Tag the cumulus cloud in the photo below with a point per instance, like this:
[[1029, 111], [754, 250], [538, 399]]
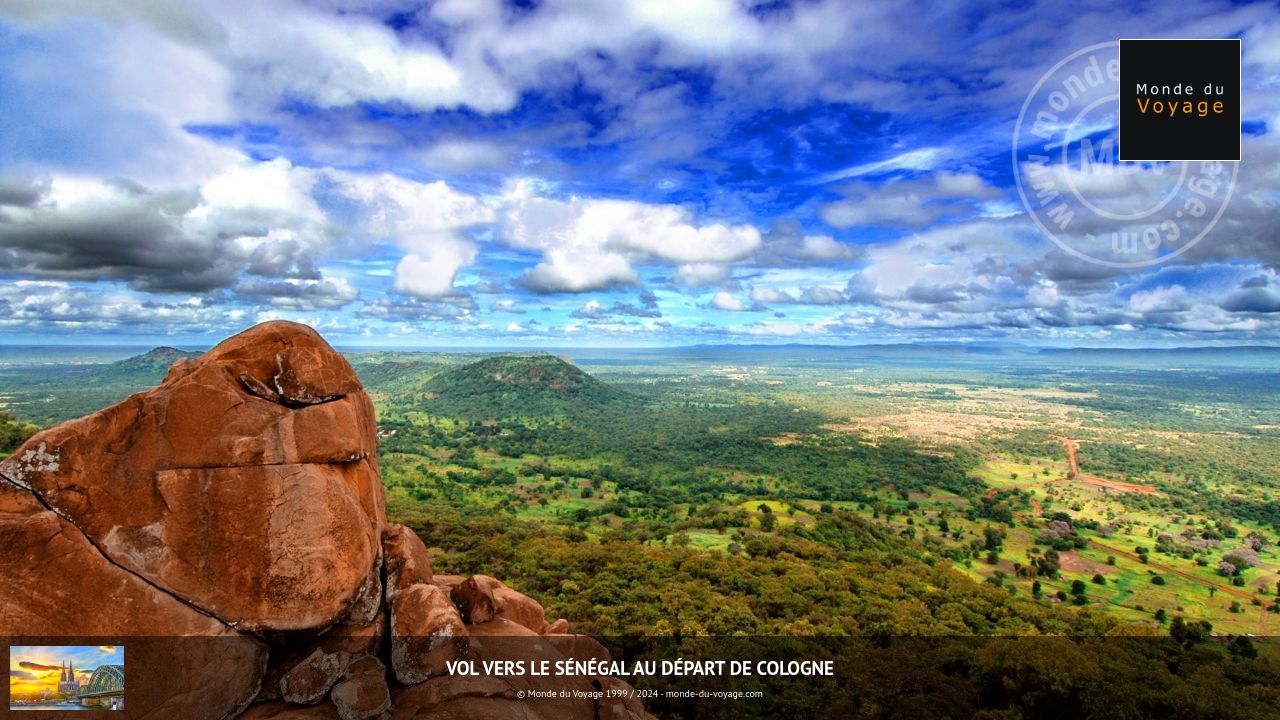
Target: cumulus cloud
[[812, 295], [589, 244], [430, 220], [788, 245], [724, 300], [252, 218], [697, 275], [772, 296], [563, 270]]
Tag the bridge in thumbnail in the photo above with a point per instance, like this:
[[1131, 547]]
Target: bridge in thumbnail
[[105, 688]]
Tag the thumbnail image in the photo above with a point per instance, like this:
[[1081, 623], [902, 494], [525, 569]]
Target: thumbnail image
[[66, 677]]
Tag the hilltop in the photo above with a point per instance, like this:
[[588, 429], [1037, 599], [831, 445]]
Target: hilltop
[[146, 369], [510, 385]]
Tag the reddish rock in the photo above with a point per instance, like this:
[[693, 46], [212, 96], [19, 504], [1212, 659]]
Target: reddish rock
[[343, 640], [426, 632], [481, 598], [363, 692], [310, 679], [559, 627], [447, 582], [407, 560], [500, 627], [53, 582], [367, 608], [245, 484]]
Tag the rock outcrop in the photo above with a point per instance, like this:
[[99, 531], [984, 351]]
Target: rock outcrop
[[229, 527]]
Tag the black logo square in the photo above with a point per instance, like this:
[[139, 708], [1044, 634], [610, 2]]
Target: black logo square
[[1179, 100]]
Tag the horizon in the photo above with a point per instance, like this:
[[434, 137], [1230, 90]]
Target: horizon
[[450, 349], [475, 175]]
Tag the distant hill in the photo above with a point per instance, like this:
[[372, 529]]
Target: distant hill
[[511, 385], [143, 370]]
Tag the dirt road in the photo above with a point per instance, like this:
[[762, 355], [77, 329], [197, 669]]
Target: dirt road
[[1097, 481]]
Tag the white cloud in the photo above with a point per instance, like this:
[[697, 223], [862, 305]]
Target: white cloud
[[505, 305], [1173, 298], [427, 219], [564, 270], [919, 159], [727, 301], [591, 309], [589, 244], [771, 296], [696, 275], [431, 274]]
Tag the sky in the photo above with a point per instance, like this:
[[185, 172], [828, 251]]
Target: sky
[[591, 173], [34, 668]]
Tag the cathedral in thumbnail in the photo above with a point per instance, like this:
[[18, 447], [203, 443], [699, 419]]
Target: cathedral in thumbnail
[[67, 683]]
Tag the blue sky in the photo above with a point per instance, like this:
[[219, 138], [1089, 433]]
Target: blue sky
[[589, 173]]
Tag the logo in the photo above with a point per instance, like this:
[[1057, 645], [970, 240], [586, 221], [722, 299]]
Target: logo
[[1074, 186], [1180, 100]]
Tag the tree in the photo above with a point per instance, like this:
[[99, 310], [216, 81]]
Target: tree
[[1241, 646], [768, 521], [1189, 633], [1098, 579], [1157, 580]]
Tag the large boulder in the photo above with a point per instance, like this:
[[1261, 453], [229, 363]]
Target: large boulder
[[245, 484], [481, 598], [55, 583], [363, 693], [407, 560], [426, 633]]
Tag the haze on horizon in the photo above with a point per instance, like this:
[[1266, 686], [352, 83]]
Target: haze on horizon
[[582, 174]]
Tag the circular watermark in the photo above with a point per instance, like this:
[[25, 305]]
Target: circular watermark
[[1067, 168]]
